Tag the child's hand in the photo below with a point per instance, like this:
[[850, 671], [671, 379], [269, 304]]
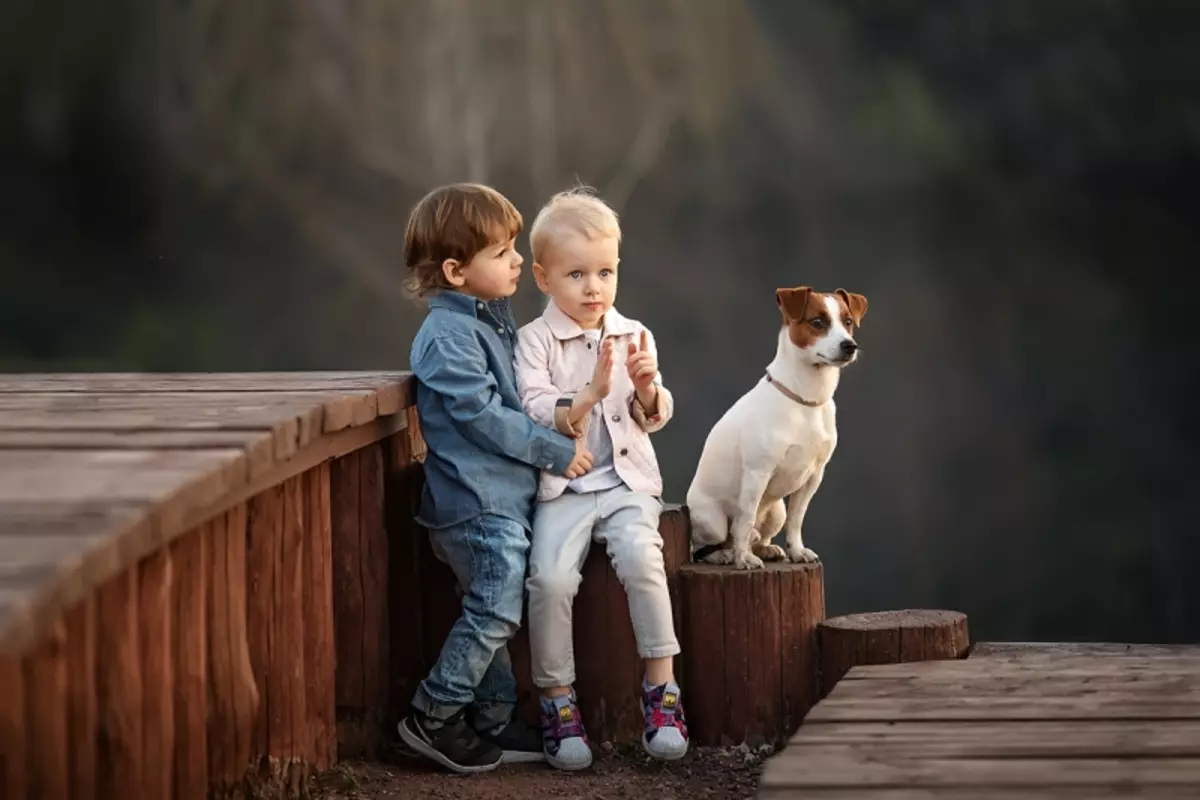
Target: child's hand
[[642, 366], [581, 463], [601, 383]]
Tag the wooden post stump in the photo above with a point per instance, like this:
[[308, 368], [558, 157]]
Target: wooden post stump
[[609, 670], [749, 642], [889, 637]]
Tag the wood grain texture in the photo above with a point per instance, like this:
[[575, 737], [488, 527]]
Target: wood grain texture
[[750, 650], [126, 463], [13, 741], [120, 715], [233, 694], [189, 650], [320, 654], [362, 625], [889, 637], [46, 717], [1077, 721], [82, 703]]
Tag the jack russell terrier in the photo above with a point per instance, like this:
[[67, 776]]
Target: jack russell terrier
[[775, 441]]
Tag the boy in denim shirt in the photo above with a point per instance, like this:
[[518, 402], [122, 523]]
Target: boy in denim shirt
[[481, 471]]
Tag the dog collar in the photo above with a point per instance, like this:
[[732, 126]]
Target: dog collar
[[789, 394]]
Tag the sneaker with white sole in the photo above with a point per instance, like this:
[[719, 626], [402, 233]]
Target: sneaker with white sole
[[665, 736], [563, 737]]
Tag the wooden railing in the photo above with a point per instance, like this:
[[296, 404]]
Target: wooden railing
[[193, 578]]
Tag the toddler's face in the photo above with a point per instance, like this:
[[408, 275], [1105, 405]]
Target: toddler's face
[[494, 271], [580, 275]]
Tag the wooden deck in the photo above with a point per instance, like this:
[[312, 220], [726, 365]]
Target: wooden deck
[[99, 470], [1025, 721]]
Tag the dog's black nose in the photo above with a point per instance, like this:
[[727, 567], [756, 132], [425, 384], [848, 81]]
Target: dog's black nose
[[849, 346]]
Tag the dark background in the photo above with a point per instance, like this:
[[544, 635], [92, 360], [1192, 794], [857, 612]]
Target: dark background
[[203, 185]]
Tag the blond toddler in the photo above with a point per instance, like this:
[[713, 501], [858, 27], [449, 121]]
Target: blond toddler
[[589, 372]]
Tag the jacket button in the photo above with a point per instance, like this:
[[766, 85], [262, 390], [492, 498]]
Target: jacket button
[[616, 417], [624, 451], [589, 345]]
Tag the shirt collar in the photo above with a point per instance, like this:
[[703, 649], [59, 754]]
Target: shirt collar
[[466, 304], [563, 327]]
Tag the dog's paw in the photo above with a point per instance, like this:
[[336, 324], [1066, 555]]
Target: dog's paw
[[747, 561], [802, 555], [724, 557], [770, 552]]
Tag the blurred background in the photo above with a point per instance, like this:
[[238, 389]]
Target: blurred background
[[206, 185]]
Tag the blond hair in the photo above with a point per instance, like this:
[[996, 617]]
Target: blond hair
[[575, 211], [454, 221]]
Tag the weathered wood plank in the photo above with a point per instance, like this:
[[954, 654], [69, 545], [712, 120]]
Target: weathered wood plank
[[1106, 724], [233, 695], [31, 477], [1034, 688], [314, 412], [289, 733], [189, 560], [119, 689], [1058, 650], [46, 722], [361, 600], [13, 741], [1008, 739], [158, 679], [319, 645], [1001, 708], [1069, 666], [846, 767], [264, 518], [1059, 792], [82, 703]]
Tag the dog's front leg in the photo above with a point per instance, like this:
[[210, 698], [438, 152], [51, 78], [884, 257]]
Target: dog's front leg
[[754, 485], [797, 506]]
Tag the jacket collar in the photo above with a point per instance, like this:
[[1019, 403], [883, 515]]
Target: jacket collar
[[466, 304], [563, 327]]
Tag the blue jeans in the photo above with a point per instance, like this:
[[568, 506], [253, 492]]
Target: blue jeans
[[488, 557]]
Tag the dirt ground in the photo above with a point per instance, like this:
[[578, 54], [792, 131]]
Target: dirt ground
[[617, 773]]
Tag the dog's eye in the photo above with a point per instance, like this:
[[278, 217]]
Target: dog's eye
[[849, 323], [817, 322]]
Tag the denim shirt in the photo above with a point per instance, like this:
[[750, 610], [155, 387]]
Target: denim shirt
[[484, 453]]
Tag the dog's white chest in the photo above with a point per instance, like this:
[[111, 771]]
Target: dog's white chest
[[813, 447]]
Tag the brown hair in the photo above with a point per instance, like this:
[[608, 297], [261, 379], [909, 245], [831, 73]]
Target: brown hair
[[454, 221]]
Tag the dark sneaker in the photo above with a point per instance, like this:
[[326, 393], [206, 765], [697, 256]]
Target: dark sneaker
[[520, 743], [563, 736], [665, 736], [453, 743]]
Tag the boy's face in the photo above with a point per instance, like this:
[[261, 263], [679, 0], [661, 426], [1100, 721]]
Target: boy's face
[[580, 274], [491, 275]]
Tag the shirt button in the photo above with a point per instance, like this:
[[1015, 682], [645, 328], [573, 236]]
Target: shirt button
[[624, 451], [549, 466], [500, 331], [616, 417], [479, 306], [589, 345]]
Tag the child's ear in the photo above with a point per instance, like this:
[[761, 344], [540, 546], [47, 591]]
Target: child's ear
[[452, 271], [539, 277]]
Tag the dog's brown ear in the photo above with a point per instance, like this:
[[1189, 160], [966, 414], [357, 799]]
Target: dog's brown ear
[[856, 303], [793, 302]]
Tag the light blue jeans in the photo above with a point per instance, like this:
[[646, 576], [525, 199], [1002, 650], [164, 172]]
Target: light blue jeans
[[488, 556]]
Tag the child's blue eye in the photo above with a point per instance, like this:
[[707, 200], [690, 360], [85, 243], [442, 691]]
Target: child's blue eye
[[604, 273], [577, 274]]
